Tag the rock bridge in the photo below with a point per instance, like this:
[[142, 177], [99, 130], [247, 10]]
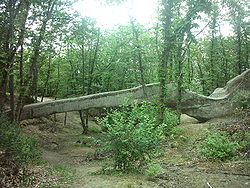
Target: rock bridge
[[221, 102]]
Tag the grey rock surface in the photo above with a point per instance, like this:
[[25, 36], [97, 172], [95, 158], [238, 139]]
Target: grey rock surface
[[221, 102]]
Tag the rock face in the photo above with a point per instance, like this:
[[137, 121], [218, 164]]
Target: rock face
[[221, 103], [100, 100]]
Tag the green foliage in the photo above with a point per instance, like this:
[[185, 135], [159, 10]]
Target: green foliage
[[175, 133], [171, 120], [242, 137], [218, 146], [176, 137], [66, 173], [245, 142], [133, 136], [22, 148], [153, 169], [244, 101], [94, 129]]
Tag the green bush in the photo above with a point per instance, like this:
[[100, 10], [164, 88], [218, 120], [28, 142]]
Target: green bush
[[133, 136], [171, 120], [242, 137], [22, 148], [153, 169], [217, 146], [244, 101]]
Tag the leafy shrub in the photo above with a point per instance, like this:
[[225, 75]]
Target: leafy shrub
[[242, 137], [245, 142], [176, 137], [244, 101], [133, 136], [153, 169], [22, 148], [171, 120], [217, 146]]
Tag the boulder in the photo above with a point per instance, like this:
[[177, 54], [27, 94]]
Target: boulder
[[221, 102]]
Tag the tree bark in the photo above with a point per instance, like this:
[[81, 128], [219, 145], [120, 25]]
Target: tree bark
[[138, 54], [47, 80], [36, 52], [167, 23], [84, 121]]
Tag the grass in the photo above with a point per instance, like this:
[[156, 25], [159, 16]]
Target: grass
[[65, 175]]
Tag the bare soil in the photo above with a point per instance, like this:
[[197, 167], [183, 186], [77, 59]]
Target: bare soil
[[182, 167]]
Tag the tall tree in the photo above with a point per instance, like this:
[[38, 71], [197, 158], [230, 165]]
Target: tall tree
[[33, 77], [238, 13], [168, 39], [138, 53], [12, 35], [177, 29]]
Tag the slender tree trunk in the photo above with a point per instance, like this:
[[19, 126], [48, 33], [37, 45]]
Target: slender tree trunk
[[19, 104], [239, 50], [83, 70], [36, 52], [138, 54], [84, 113], [225, 60], [201, 74], [46, 81], [84, 121], [3, 86], [65, 119], [180, 74], [12, 93], [92, 64], [247, 64], [9, 53], [20, 101], [168, 42], [190, 68]]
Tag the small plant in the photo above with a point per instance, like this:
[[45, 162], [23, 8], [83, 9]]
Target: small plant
[[176, 137], [94, 129], [244, 101], [242, 137], [66, 174], [133, 136], [175, 133], [218, 146], [153, 169]]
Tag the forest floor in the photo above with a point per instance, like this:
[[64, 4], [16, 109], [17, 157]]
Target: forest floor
[[71, 159]]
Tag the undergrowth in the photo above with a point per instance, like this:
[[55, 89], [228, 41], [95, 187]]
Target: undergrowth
[[219, 147], [18, 149], [134, 138], [18, 146]]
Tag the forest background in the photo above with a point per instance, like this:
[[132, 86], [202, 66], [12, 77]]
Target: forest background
[[48, 49]]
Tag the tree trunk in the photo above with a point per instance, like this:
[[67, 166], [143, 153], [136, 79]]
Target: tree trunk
[[46, 81], [83, 70], [65, 119], [37, 47], [92, 64], [138, 54], [168, 40], [239, 50], [84, 121], [84, 114], [225, 60], [21, 87]]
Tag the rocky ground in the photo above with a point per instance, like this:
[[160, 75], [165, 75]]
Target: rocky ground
[[72, 161]]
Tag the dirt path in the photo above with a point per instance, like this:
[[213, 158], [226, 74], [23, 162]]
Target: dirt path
[[67, 148]]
